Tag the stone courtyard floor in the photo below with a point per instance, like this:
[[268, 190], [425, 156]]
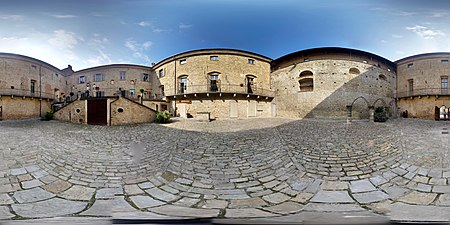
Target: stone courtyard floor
[[259, 169]]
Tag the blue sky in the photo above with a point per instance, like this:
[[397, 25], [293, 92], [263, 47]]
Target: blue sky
[[86, 33]]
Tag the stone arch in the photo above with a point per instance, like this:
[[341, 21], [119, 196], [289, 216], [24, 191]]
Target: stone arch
[[360, 110], [354, 70], [380, 100], [305, 73]]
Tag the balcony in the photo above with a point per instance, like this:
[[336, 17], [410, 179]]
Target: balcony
[[424, 92], [114, 92], [25, 93], [219, 90]]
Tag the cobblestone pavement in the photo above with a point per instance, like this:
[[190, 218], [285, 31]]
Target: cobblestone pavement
[[271, 169]]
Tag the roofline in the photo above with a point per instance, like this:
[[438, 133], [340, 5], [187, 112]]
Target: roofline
[[180, 55], [5, 54], [321, 49], [113, 65], [422, 55]]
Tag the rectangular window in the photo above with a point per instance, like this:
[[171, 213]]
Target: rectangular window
[[444, 61], [410, 65], [98, 77], [122, 75], [444, 85], [410, 87], [145, 77], [33, 87], [82, 80], [182, 61], [161, 73], [251, 61], [214, 58], [34, 66]]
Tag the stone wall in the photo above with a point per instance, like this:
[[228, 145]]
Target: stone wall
[[74, 112], [422, 107], [156, 105], [19, 107], [336, 84], [125, 111]]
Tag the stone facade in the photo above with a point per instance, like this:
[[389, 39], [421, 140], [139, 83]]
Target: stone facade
[[423, 85], [321, 84], [318, 83], [75, 112]]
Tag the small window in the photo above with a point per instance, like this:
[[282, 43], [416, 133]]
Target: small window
[[214, 58], [145, 77], [98, 77], [82, 80], [183, 61], [34, 66], [444, 61], [122, 75], [305, 73], [354, 71], [33, 86], [306, 84], [251, 61], [120, 110], [78, 110], [365, 61], [410, 65], [382, 77], [161, 73]]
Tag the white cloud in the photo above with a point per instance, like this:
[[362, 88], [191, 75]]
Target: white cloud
[[397, 36], [144, 24], [426, 32], [101, 59], [63, 39], [185, 26], [63, 16], [12, 17], [383, 41], [139, 49]]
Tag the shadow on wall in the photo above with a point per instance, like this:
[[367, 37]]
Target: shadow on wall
[[362, 92]]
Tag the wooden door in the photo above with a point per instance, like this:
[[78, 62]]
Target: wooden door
[[97, 112]]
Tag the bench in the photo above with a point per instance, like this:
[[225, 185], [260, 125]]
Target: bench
[[203, 116]]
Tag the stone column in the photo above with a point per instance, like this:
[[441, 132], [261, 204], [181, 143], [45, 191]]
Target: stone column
[[349, 114], [371, 114]]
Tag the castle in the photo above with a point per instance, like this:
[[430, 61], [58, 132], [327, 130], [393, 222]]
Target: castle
[[332, 82]]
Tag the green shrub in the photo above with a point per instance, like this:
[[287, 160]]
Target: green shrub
[[380, 115], [162, 117], [48, 115]]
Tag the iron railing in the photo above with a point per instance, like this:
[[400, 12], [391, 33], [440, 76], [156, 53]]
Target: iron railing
[[423, 92], [25, 93], [220, 88], [103, 92]]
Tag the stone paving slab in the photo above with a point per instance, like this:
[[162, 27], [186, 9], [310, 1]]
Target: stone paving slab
[[247, 213], [48, 208], [406, 212], [5, 213], [332, 197], [179, 211], [321, 207], [100, 208], [78, 192], [32, 195]]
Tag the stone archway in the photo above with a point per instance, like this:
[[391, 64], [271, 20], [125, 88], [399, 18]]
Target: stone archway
[[350, 108]]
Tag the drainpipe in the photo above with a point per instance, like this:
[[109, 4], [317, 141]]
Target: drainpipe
[[175, 87], [40, 91]]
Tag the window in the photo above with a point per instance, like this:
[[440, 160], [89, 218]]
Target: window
[[382, 77], [82, 80], [182, 61], [183, 84], [251, 61], [161, 88], [306, 84], [33, 87], [410, 87], [161, 73], [444, 61], [251, 86], [34, 66], [132, 92], [214, 58], [365, 61], [145, 77], [214, 82], [354, 71], [122, 75], [305, 73], [444, 85], [410, 65], [98, 77]]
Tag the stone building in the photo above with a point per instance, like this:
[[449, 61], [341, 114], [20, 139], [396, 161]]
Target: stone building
[[227, 83], [422, 90], [327, 82], [223, 82]]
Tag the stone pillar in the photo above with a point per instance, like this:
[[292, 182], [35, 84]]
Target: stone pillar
[[386, 111], [349, 114], [371, 114]]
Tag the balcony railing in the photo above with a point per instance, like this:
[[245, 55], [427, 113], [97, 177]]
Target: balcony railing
[[424, 92], [25, 93], [107, 92], [229, 88]]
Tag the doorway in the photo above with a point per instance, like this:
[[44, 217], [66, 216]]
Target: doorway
[[97, 112]]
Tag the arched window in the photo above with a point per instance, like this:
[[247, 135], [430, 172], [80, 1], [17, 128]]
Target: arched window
[[214, 85], [354, 71], [251, 84], [305, 73], [182, 84], [382, 77], [306, 84]]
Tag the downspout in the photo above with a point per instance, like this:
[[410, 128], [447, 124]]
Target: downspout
[[175, 87], [40, 91]]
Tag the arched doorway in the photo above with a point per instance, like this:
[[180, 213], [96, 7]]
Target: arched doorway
[[360, 108], [443, 113]]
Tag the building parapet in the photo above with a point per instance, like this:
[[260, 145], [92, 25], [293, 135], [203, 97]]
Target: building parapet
[[25, 93], [220, 88], [424, 92]]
